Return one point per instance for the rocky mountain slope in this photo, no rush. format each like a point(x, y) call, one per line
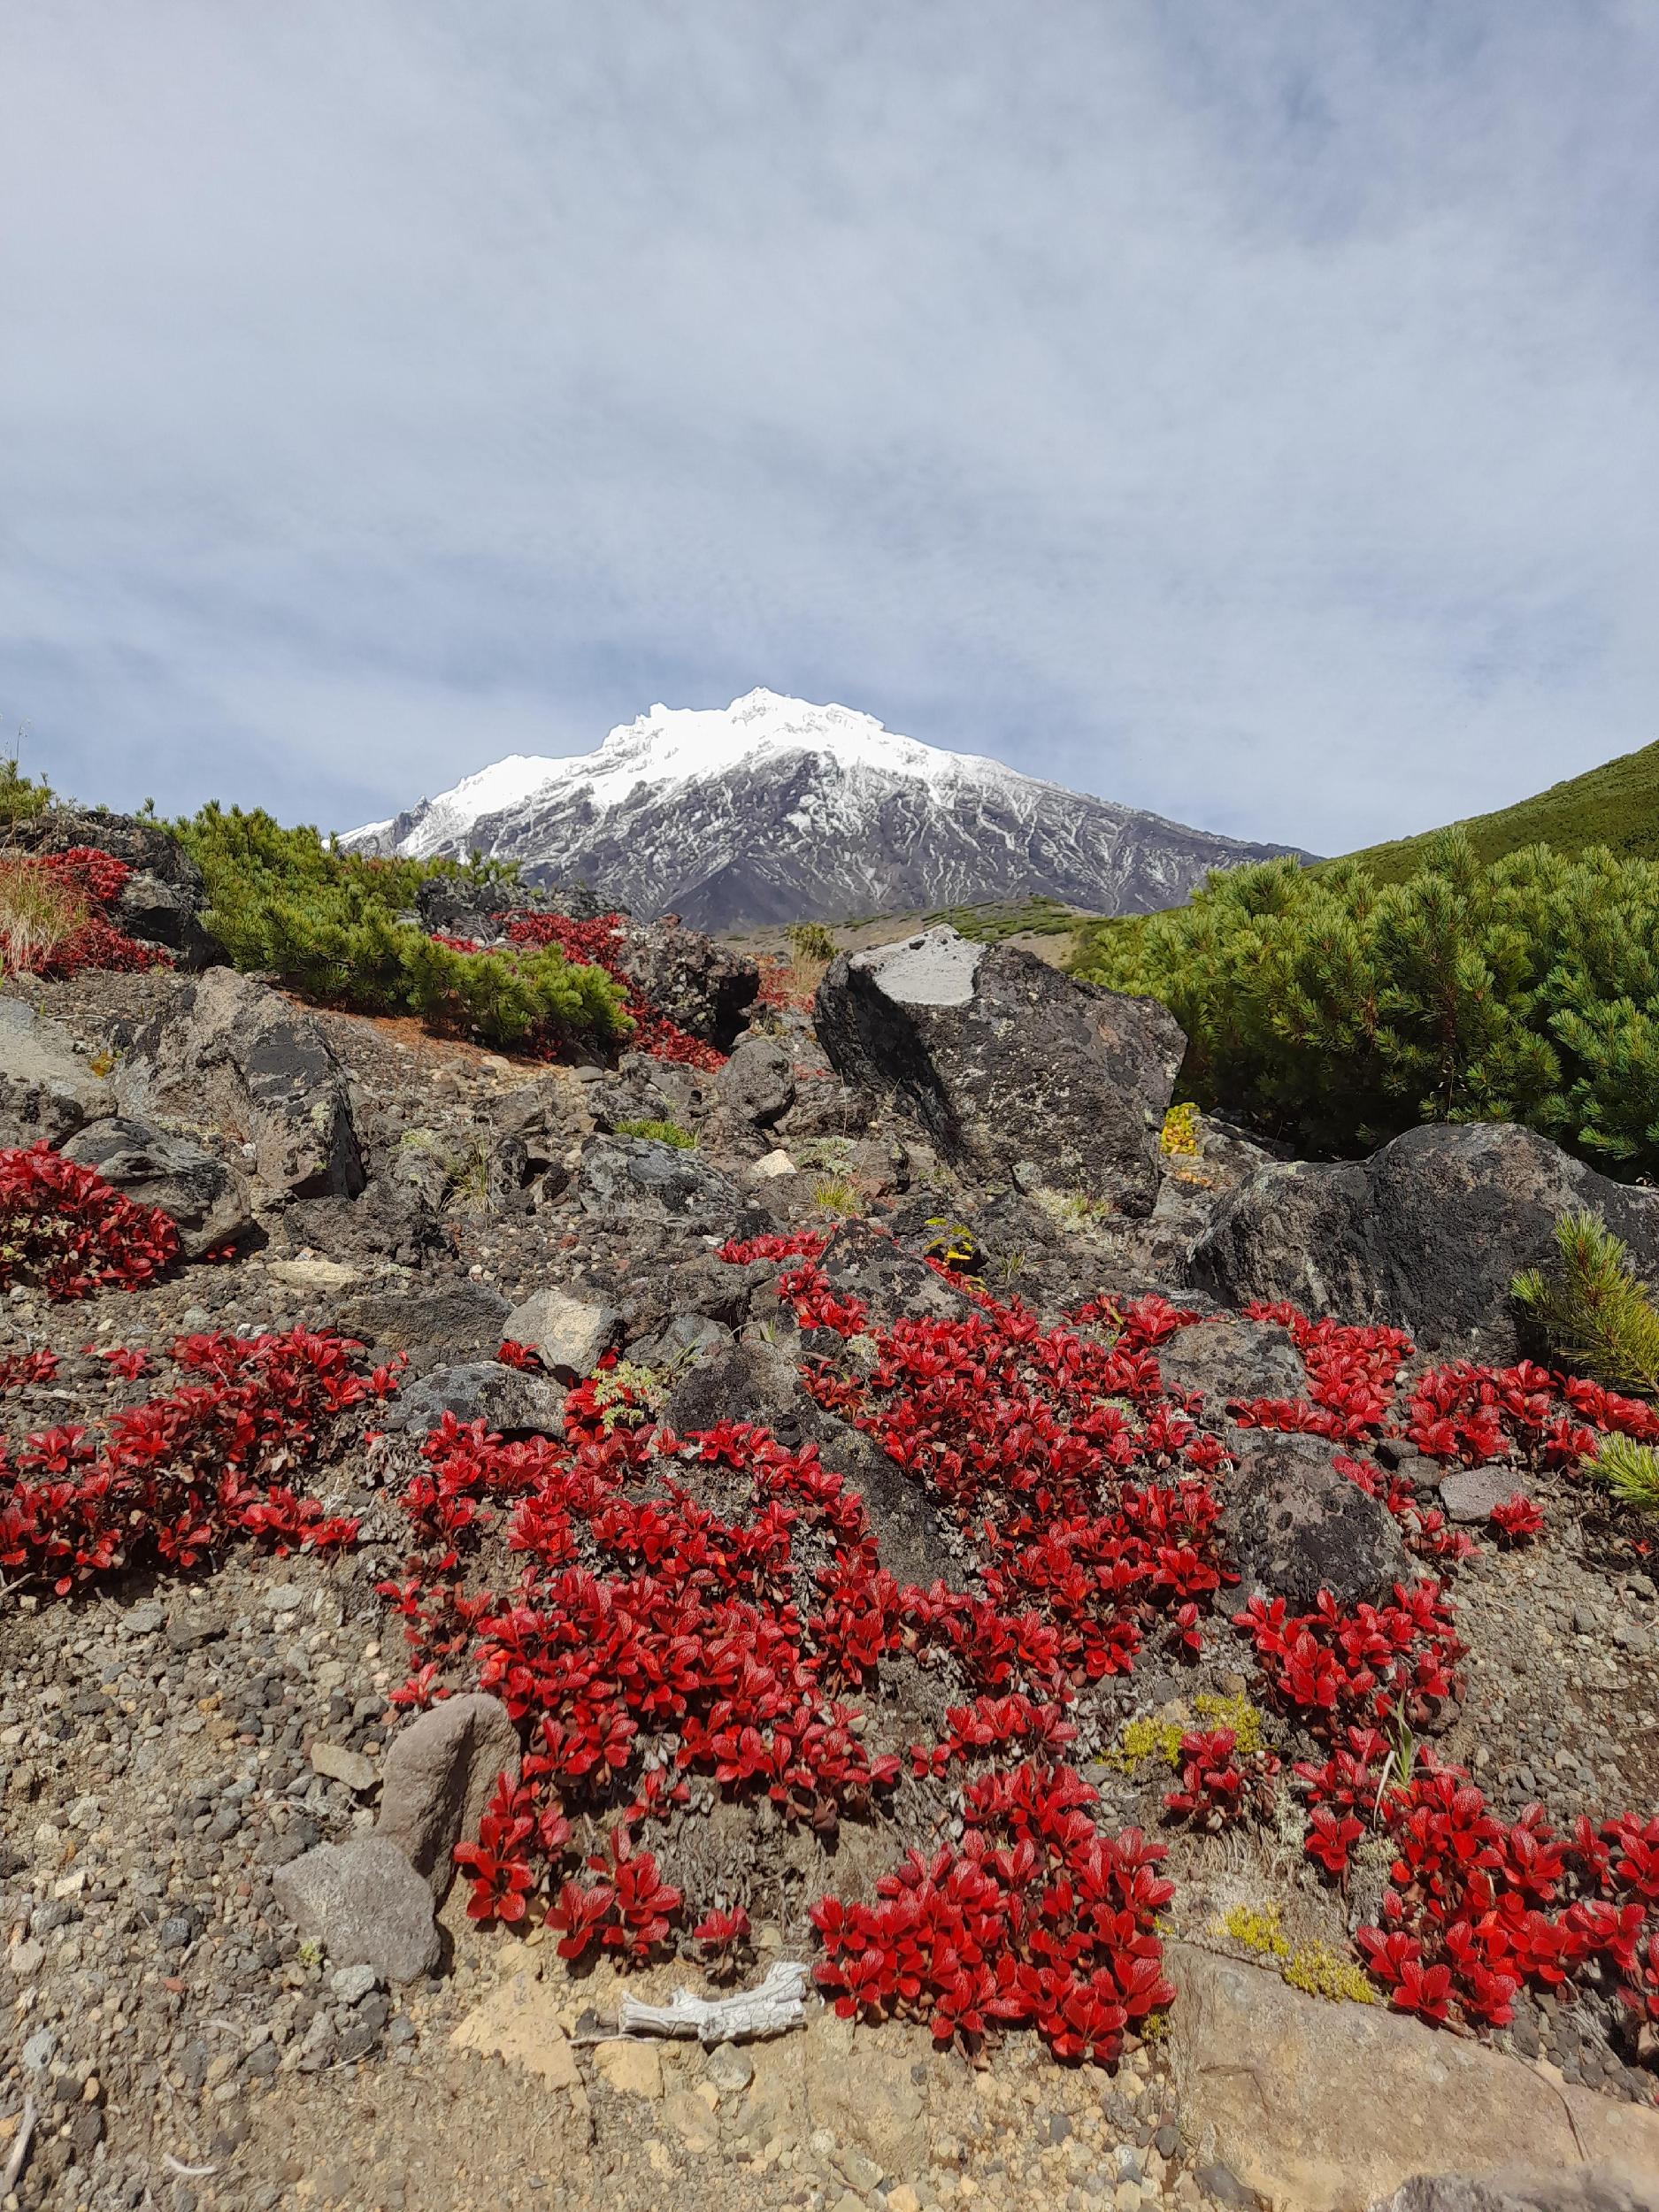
point(1095, 1606)
point(773, 810)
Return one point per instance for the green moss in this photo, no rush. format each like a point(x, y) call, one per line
point(660, 1133)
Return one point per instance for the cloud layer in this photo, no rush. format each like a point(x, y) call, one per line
point(1246, 412)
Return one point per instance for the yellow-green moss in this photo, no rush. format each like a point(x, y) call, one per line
point(1142, 1740)
point(1313, 1967)
point(1179, 1134)
point(1323, 1972)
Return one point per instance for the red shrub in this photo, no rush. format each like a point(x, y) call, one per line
point(63, 1225)
point(176, 1478)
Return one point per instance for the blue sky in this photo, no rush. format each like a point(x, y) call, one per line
point(1246, 411)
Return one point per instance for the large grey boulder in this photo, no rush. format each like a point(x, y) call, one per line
point(706, 988)
point(757, 1082)
point(1427, 1235)
point(364, 1903)
point(231, 1054)
point(622, 1179)
point(437, 1778)
point(1012, 1067)
point(205, 1199)
point(47, 1090)
point(1293, 1525)
point(507, 1400)
point(571, 1335)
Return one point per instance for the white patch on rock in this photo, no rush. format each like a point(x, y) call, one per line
point(935, 969)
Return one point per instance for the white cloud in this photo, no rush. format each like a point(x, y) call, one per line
point(1246, 412)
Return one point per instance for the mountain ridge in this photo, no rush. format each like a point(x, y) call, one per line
point(777, 810)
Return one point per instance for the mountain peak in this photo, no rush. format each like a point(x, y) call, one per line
point(775, 809)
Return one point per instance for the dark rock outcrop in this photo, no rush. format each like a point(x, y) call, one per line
point(205, 1199)
point(229, 1054)
point(511, 1401)
point(707, 988)
point(163, 901)
point(623, 1178)
point(1293, 1524)
point(390, 1220)
point(1012, 1068)
point(1427, 1235)
point(1226, 1359)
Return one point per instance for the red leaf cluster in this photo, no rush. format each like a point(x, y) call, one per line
point(178, 1476)
point(1038, 1919)
point(64, 1226)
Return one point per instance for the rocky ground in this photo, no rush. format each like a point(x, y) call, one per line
point(171, 1743)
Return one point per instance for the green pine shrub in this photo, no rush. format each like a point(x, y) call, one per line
point(811, 941)
point(327, 924)
point(1593, 1311)
point(1336, 1012)
point(1629, 1470)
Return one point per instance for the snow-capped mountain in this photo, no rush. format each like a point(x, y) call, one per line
point(773, 810)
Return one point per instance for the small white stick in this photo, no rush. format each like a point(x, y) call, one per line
point(190, 2173)
point(20, 2149)
point(778, 2004)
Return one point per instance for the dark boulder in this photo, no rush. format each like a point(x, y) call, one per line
point(1293, 1525)
point(449, 1323)
point(706, 988)
point(206, 1199)
point(1012, 1068)
point(163, 902)
point(757, 1082)
point(636, 1178)
point(1427, 1235)
point(756, 1382)
point(390, 1220)
point(511, 1401)
point(531, 1130)
point(229, 1054)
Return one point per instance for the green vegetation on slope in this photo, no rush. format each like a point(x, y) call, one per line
point(285, 903)
point(1616, 806)
point(1337, 1012)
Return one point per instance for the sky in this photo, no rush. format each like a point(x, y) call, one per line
point(1246, 412)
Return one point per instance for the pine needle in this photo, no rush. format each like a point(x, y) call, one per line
point(1594, 1310)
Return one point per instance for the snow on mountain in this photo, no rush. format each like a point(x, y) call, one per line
point(773, 810)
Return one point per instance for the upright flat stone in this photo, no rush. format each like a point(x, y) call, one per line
point(229, 1054)
point(1013, 1069)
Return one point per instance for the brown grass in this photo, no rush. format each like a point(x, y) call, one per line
point(38, 913)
